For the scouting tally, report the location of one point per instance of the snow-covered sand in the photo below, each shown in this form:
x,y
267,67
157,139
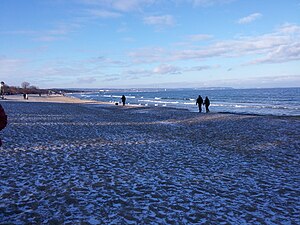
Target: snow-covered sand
x,y
51,98
79,163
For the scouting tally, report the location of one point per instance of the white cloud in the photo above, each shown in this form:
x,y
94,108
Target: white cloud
x,y
148,55
113,77
138,5
86,80
137,73
287,47
103,13
11,66
289,28
199,37
201,68
164,69
49,38
104,62
130,5
59,32
259,82
250,18
240,47
160,21
120,5
283,53
206,3
167,69
281,45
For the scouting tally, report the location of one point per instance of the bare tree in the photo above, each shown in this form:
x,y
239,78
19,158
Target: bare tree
x,y
25,85
32,87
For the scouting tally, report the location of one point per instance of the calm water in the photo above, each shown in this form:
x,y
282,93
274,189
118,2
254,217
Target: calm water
x,y
275,101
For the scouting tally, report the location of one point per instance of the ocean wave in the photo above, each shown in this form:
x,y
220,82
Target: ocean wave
x,y
176,98
255,106
158,102
262,101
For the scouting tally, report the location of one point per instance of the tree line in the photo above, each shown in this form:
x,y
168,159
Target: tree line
x,y
27,88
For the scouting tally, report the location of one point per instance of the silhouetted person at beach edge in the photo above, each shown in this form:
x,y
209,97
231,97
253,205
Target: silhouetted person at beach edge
x,y
123,99
199,102
206,103
3,120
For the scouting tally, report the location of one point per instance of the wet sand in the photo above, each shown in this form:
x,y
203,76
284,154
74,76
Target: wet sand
x,y
67,161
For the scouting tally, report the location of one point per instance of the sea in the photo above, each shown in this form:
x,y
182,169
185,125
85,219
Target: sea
x,y
260,101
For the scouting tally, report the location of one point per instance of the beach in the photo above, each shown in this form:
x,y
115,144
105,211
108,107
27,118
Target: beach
x,y
71,161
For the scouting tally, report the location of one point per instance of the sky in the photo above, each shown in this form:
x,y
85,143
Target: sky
x,y
150,43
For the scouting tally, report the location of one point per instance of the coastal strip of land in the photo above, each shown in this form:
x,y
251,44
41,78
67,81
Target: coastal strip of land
x,y
54,98
71,161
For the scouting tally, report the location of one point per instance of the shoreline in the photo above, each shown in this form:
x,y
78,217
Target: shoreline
x,y
73,100
50,98
61,99
277,103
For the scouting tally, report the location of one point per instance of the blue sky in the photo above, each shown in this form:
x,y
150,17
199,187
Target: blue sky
x,y
150,43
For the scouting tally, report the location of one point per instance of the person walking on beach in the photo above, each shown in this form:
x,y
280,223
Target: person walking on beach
x,y
199,102
3,120
206,103
123,99
2,89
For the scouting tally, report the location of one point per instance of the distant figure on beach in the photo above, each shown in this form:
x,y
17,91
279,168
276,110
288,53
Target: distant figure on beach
x,y
3,120
123,99
2,89
24,96
206,103
199,102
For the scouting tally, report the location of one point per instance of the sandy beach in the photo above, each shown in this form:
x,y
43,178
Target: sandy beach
x,y
51,99
69,161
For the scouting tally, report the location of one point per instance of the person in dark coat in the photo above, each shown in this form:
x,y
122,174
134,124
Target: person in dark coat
x,y
199,102
3,120
123,99
206,103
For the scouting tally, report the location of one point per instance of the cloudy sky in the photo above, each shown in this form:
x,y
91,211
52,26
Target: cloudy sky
x,y
150,43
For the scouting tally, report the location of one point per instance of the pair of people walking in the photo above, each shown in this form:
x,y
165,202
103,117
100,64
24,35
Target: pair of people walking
x,y
200,102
